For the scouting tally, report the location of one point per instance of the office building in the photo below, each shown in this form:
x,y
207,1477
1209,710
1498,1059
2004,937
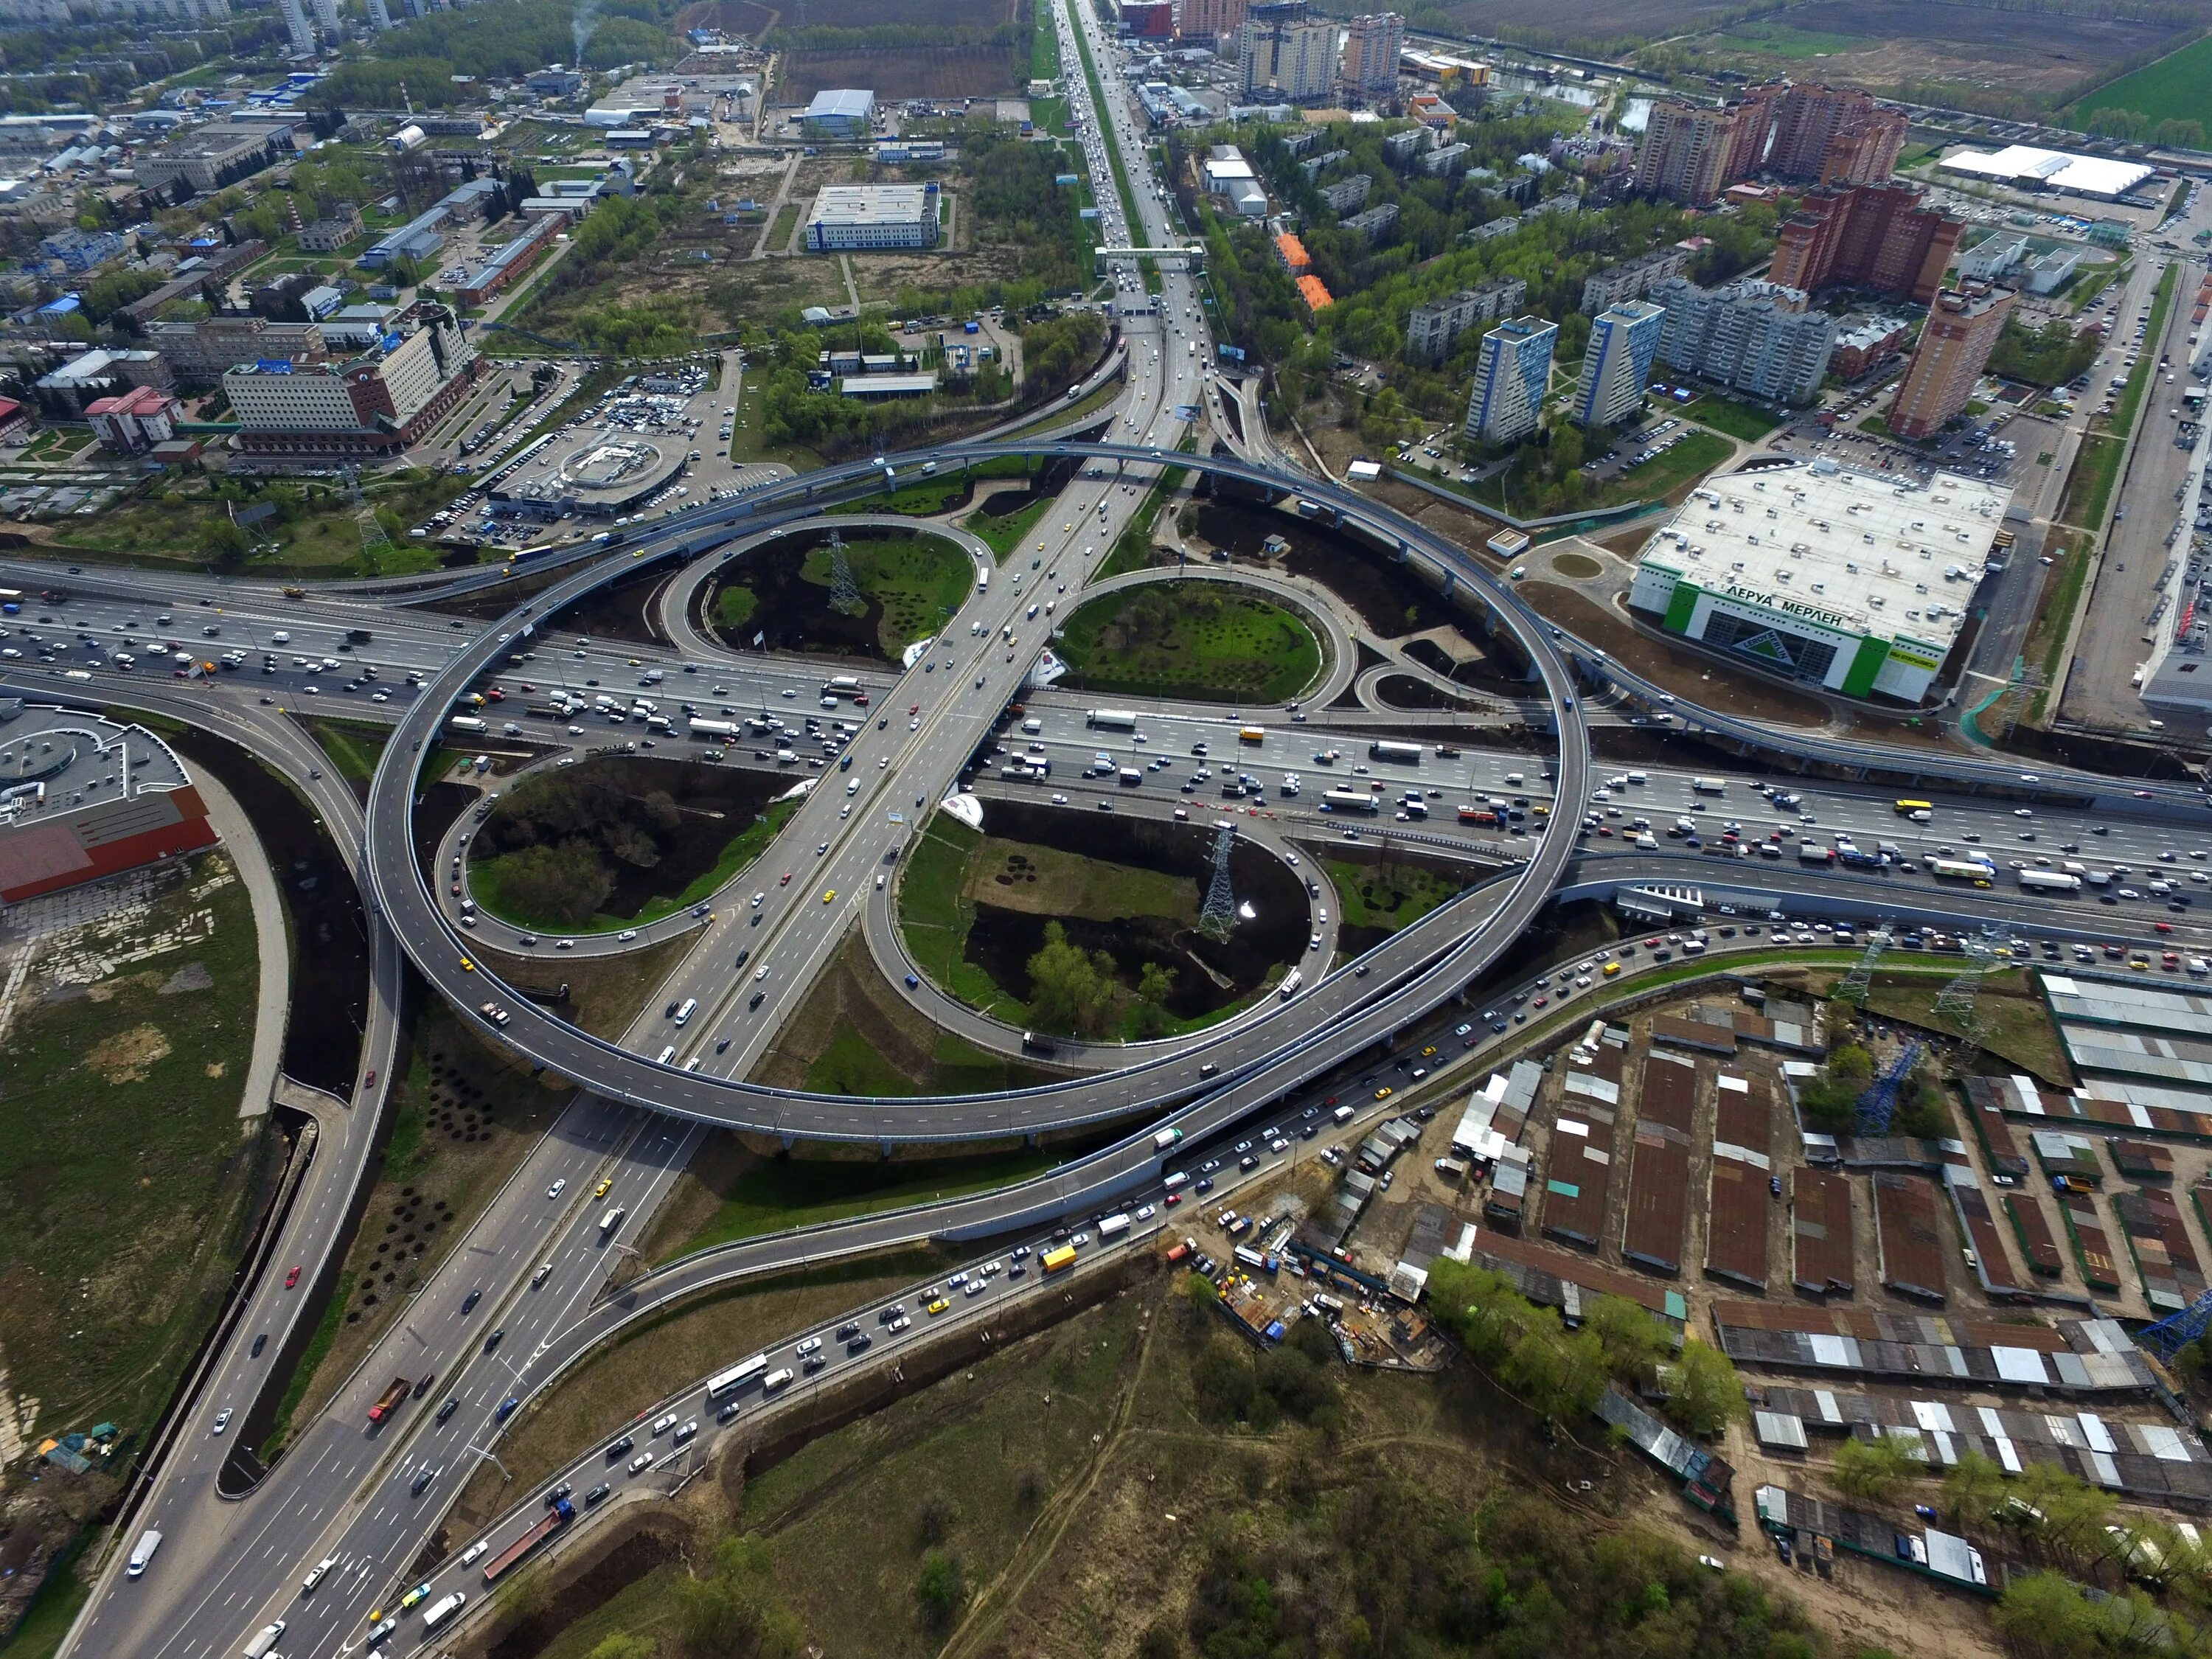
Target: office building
x,y
213,156
375,404
1956,341
853,217
1280,49
1434,327
1692,152
1372,42
198,353
1624,343
1632,279
1752,336
1208,20
1880,237
82,797
843,113
1849,581
91,375
1510,378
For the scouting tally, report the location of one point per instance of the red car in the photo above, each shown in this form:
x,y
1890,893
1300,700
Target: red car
x,y
1172,1199
368,1082
914,708
291,1279
784,881
2163,927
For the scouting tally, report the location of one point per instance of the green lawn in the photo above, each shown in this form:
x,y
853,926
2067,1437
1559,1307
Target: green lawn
x,y
1005,535
924,497
125,1205
1727,415
2089,486
1372,898
1200,640
934,917
800,1192
2173,89
920,580
353,745
786,219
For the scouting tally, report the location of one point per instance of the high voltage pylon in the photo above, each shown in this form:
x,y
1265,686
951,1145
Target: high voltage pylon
x,y
1219,915
374,543
1860,980
844,592
1960,996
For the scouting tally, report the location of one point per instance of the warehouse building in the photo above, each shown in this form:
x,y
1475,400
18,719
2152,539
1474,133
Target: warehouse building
x,y
81,796
842,113
1845,580
851,218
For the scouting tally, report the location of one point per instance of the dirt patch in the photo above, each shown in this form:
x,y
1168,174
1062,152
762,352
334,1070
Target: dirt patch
x,y
125,1057
1686,672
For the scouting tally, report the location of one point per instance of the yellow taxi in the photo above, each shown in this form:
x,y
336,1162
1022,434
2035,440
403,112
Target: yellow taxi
x,y
1611,969
1428,1051
602,1189
467,967
1384,1092
940,1305
829,893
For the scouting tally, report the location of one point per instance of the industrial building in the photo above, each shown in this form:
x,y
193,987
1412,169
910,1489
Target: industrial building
x,y
2024,167
842,113
504,263
1228,173
376,403
1624,343
1509,381
1854,583
81,796
1753,337
209,158
850,218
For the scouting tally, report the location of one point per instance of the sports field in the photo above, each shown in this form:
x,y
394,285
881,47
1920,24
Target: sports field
x,y
2173,89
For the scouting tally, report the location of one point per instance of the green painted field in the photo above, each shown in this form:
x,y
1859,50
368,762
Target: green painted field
x,y
2173,89
1191,639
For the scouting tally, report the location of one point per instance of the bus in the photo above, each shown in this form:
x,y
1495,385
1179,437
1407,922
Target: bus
x,y
1111,719
1905,809
1252,734
1062,1256
1348,800
1960,869
736,1378
1407,754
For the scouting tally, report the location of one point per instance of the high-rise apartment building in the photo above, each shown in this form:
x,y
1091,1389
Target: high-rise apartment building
x,y
1830,135
1962,329
326,18
1692,152
1624,343
1209,20
1872,236
1509,381
1754,337
1280,49
296,26
1372,42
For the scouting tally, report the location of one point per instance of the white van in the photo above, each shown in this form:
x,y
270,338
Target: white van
x,y
265,1639
1638,778
683,1014
1342,1115
143,1551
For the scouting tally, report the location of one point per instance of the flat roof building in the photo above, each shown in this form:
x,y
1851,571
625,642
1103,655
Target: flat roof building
x,y
854,218
82,797
1617,363
2024,167
209,157
1510,378
378,403
1852,582
1955,343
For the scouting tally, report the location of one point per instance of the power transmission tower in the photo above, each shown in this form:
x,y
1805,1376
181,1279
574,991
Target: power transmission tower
x,y
844,592
1219,915
1879,1101
1860,980
375,545
1984,951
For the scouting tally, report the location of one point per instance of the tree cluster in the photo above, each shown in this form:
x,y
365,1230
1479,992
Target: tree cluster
x,y
2046,356
1831,1100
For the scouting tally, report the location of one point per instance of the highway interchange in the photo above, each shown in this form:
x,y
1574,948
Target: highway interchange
x,y
230,1564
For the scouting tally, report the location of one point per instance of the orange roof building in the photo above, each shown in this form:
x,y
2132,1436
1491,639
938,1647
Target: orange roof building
x,y
1293,252
1315,296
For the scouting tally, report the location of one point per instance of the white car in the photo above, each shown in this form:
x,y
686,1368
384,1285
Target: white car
x,y
221,1420
558,1187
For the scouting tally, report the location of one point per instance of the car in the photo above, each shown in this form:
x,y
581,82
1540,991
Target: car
x,y
1384,1092
495,1338
620,1447
597,1496
291,1279
414,1595
604,1187
468,1302
784,881
938,1306
221,1421
558,1187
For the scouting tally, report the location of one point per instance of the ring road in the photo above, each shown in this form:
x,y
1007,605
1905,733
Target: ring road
x,y
1412,972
